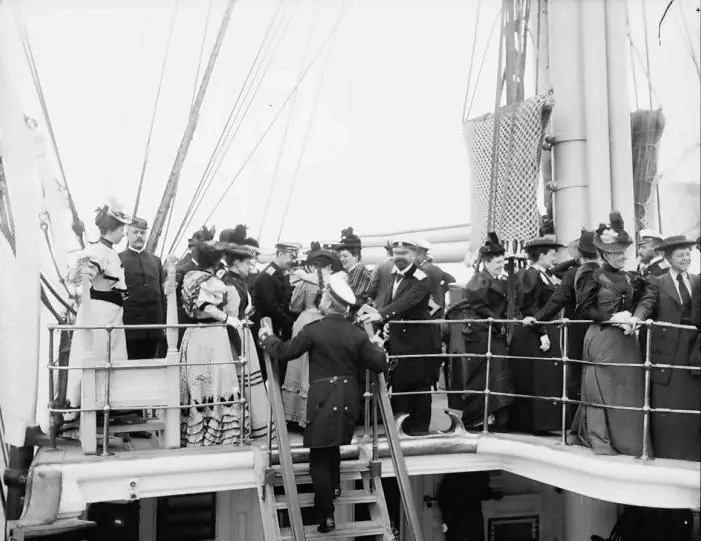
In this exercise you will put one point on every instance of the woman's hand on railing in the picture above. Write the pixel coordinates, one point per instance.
(234, 322)
(544, 342)
(377, 340)
(528, 321)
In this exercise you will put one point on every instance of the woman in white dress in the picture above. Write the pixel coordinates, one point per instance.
(107, 291)
(209, 375)
(308, 285)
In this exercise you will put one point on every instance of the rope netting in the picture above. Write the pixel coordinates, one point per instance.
(504, 194)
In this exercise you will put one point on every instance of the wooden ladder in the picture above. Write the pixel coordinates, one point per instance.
(273, 506)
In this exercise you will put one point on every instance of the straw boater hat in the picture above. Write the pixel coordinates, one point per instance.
(612, 237)
(678, 241)
(492, 246)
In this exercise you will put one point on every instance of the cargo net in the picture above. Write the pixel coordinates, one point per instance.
(507, 205)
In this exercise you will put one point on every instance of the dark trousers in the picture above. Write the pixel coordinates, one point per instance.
(325, 469)
(144, 348)
(417, 406)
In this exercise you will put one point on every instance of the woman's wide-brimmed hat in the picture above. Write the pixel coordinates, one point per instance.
(317, 252)
(677, 241)
(201, 235)
(114, 210)
(234, 241)
(492, 246)
(612, 238)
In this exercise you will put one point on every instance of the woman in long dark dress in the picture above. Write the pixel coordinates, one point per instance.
(608, 294)
(536, 377)
(485, 297)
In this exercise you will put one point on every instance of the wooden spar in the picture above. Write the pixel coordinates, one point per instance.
(174, 178)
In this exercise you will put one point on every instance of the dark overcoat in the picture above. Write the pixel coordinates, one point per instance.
(535, 377)
(271, 298)
(678, 435)
(338, 351)
(411, 303)
(143, 273)
(381, 280)
(440, 280)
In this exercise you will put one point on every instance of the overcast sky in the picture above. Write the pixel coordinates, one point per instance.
(385, 149)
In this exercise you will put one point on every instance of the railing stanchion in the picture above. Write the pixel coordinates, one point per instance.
(367, 395)
(375, 449)
(646, 399)
(488, 359)
(565, 362)
(106, 407)
(270, 436)
(52, 391)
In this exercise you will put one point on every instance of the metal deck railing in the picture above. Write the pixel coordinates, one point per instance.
(647, 365)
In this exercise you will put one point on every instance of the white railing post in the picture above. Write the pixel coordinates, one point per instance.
(172, 414)
(88, 375)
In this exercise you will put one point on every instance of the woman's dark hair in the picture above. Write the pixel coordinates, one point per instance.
(536, 251)
(230, 258)
(207, 256)
(486, 258)
(106, 223)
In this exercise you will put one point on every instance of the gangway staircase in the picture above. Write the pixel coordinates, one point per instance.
(365, 475)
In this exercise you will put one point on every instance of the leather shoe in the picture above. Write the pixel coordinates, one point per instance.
(327, 525)
(337, 491)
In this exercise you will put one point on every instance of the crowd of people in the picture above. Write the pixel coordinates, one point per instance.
(314, 307)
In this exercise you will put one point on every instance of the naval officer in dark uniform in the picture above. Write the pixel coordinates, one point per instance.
(272, 294)
(338, 351)
(146, 303)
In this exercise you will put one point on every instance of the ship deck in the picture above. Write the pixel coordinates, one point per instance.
(139, 469)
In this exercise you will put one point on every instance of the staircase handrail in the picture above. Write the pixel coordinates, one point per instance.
(284, 453)
(398, 461)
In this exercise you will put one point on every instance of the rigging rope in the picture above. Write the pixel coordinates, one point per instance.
(201, 56)
(689, 42)
(308, 130)
(282, 108)
(484, 57)
(205, 180)
(78, 226)
(174, 177)
(472, 58)
(155, 107)
(632, 62)
(276, 170)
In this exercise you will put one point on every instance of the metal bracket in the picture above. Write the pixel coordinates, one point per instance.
(133, 489)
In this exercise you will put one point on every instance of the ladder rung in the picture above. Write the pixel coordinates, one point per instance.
(344, 529)
(347, 497)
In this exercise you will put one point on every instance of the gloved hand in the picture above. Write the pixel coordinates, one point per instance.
(528, 321)
(234, 322)
(544, 342)
(377, 340)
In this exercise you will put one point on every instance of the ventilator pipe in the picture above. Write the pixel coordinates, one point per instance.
(570, 171)
(595, 104)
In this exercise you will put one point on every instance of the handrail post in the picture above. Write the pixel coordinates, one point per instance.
(646, 399)
(488, 359)
(283, 449)
(565, 361)
(106, 407)
(375, 449)
(52, 416)
(367, 395)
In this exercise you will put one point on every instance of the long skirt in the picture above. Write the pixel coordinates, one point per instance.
(611, 431)
(258, 404)
(208, 376)
(469, 373)
(94, 342)
(677, 435)
(536, 377)
(295, 388)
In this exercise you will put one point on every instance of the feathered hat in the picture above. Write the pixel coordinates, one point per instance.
(492, 246)
(114, 210)
(201, 236)
(234, 241)
(612, 237)
(349, 240)
(316, 255)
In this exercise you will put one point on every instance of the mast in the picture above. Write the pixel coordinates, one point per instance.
(174, 178)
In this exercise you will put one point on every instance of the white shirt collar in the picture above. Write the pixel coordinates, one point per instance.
(135, 250)
(395, 270)
(674, 274)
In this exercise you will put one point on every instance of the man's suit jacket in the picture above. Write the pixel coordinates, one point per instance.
(669, 345)
(410, 302)
(439, 280)
(382, 279)
(143, 273)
